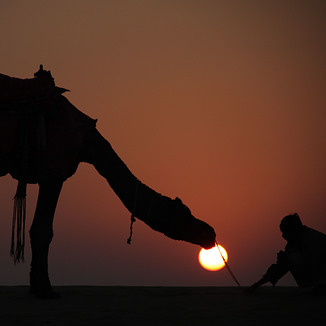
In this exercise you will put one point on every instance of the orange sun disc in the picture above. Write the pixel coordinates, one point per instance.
(211, 259)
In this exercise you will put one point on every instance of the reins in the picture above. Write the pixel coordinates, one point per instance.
(228, 267)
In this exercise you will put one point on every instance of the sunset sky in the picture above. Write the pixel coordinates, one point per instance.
(220, 103)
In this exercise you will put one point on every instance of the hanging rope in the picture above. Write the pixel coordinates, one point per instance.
(228, 267)
(18, 223)
(132, 221)
(19, 213)
(132, 218)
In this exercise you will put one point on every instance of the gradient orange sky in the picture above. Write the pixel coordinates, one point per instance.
(221, 103)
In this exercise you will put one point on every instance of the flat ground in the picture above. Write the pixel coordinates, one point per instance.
(162, 306)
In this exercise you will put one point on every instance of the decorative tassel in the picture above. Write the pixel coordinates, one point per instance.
(18, 223)
(132, 221)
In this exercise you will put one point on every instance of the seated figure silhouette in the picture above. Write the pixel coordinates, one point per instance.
(304, 257)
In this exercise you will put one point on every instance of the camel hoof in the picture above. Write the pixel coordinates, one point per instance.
(40, 286)
(44, 293)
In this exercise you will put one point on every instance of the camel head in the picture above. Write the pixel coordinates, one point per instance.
(193, 229)
(175, 220)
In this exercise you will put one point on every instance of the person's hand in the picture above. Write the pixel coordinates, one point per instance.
(255, 286)
(250, 289)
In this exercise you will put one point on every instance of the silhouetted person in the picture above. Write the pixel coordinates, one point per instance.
(304, 257)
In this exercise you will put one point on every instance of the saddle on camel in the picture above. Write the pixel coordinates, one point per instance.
(43, 138)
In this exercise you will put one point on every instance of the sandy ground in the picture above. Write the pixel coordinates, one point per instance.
(162, 306)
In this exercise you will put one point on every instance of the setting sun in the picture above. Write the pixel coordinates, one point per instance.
(211, 259)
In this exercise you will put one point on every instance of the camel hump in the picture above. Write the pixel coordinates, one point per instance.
(15, 91)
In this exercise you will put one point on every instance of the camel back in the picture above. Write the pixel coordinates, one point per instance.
(41, 132)
(41, 136)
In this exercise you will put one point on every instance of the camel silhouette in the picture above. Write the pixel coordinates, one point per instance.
(43, 138)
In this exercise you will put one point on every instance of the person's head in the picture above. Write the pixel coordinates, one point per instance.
(291, 226)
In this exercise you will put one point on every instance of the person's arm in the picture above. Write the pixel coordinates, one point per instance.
(273, 274)
(255, 286)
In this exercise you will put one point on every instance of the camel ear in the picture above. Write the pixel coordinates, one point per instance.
(181, 206)
(178, 200)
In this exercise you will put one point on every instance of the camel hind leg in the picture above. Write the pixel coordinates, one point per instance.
(41, 234)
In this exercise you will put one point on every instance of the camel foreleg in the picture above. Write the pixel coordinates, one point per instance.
(41, 234)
